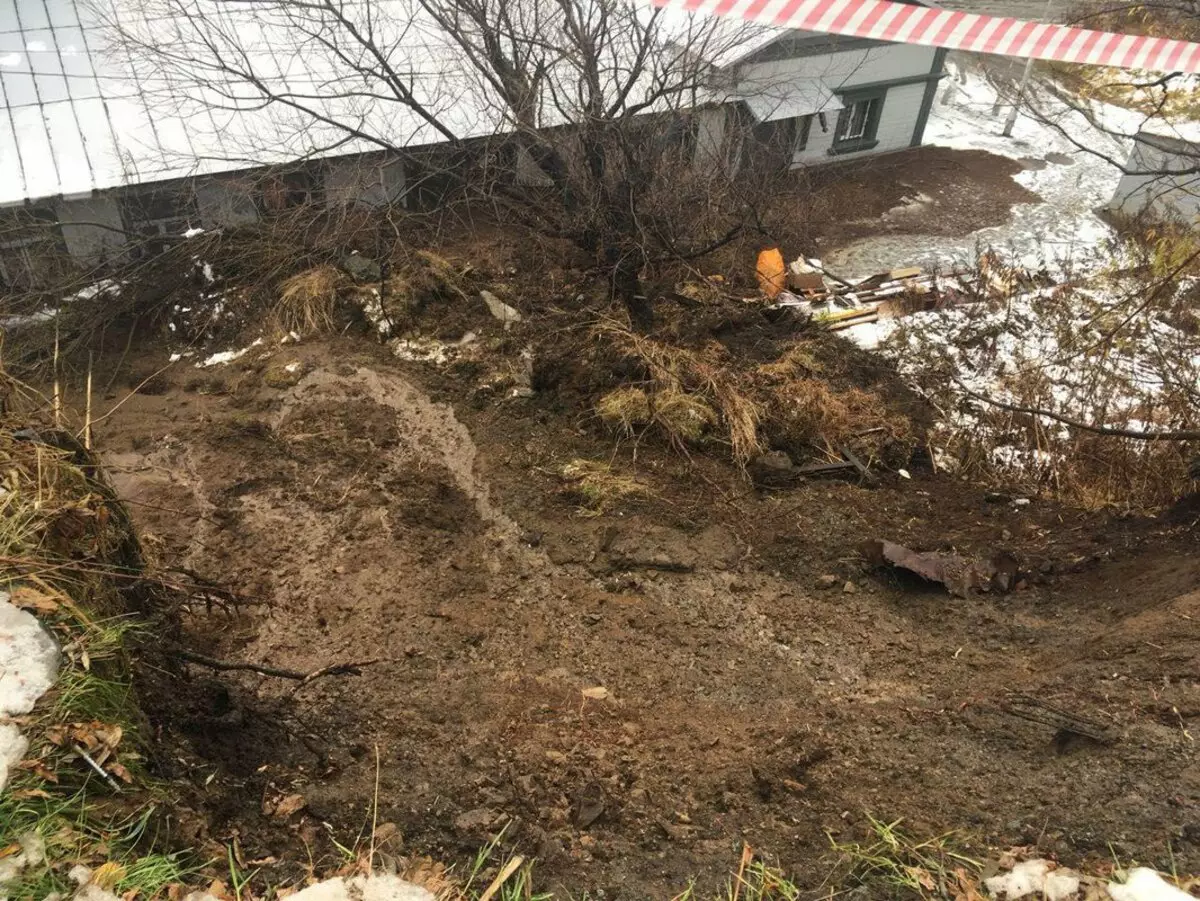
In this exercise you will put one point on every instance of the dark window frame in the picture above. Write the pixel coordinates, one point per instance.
(869, 137)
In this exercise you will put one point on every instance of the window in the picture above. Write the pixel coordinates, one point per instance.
(156, 215)
(858, 122)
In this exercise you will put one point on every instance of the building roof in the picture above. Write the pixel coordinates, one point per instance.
(1187, 130)
(77, 115)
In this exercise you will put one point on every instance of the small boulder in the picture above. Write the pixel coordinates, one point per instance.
(360, 268)
(500, 309)
(827, 581)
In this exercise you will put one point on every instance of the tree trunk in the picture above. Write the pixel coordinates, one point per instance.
(627, 287)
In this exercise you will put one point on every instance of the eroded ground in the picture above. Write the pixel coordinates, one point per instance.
(387, 510)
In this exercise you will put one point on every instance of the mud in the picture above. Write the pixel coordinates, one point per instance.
(379, 511)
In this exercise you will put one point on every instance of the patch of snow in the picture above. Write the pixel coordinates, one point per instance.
(228, 356)
(1058, 232)
(365, 888)
(28, 665)
(1145, 884)
(291, 367)
(1034, 877)
(32, 853)
(106, 287)
(423, 350)
(207, 271)
(193, 232)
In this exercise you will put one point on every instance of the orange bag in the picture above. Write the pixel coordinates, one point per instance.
(772, 273)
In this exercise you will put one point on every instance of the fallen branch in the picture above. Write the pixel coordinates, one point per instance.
(336, 669)
(1111, 431)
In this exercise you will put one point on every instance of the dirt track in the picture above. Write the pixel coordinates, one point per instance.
(373, 519)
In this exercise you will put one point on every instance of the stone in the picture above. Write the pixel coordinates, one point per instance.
(475, 820)
(827, 581)
(499, 309)
(360, 268)
(849, 588)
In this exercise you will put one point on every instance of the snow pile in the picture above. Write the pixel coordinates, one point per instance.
(28, 665)
(1052, 349)
(1034, 877)
(228, 356)
(365, 888)
(1060, 232)
(1144, 884)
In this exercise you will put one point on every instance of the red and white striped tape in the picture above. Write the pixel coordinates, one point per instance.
(905, 23)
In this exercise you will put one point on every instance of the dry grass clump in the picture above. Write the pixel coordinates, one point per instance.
(806, 413)
(697, 389)
(625, 409)
(793, 403)
(598, 487)
(308, 300)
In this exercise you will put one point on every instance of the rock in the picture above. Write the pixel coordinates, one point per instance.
(283, 375)
(475, 820)
(360, 268)
(827, 581)
(849, 588)
(500, 309)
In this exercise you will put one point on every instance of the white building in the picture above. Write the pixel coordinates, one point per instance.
(1162, 174)
(88, 161)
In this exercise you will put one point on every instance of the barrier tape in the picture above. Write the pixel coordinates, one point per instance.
(905, 23)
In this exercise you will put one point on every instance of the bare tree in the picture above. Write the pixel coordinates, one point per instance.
(593, 120)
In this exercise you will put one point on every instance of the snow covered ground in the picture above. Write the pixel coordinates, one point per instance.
(1063, 229)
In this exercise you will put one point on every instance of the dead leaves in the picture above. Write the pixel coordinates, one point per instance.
(283, 806)
(99, 741)
(36, 602)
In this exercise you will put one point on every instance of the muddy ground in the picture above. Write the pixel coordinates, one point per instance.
(392, 511)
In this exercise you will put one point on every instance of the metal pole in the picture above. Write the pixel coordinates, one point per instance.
(1016, 106)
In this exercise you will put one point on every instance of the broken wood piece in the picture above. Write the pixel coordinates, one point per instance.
(856, 462)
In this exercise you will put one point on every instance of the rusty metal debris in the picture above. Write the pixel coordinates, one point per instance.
(961, 575)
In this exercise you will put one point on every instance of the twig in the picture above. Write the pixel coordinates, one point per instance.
(1111, 431)
(57, 387)
(502, 877)
(87, 408)
(336, 669)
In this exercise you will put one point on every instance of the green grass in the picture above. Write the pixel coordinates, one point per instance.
(896, 865)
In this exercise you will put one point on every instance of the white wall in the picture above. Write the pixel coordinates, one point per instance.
(226, 201)
(1161, 196)
(823, 77)
(91, 228)
(372, 183)
(901, 106)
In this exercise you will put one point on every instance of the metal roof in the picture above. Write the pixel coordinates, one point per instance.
(77, 116)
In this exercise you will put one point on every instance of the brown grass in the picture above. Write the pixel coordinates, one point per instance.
(705, 378)
(308, 300)
(598, 487)
(625, 410)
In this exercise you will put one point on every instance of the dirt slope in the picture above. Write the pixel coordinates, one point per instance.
(374, 511)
